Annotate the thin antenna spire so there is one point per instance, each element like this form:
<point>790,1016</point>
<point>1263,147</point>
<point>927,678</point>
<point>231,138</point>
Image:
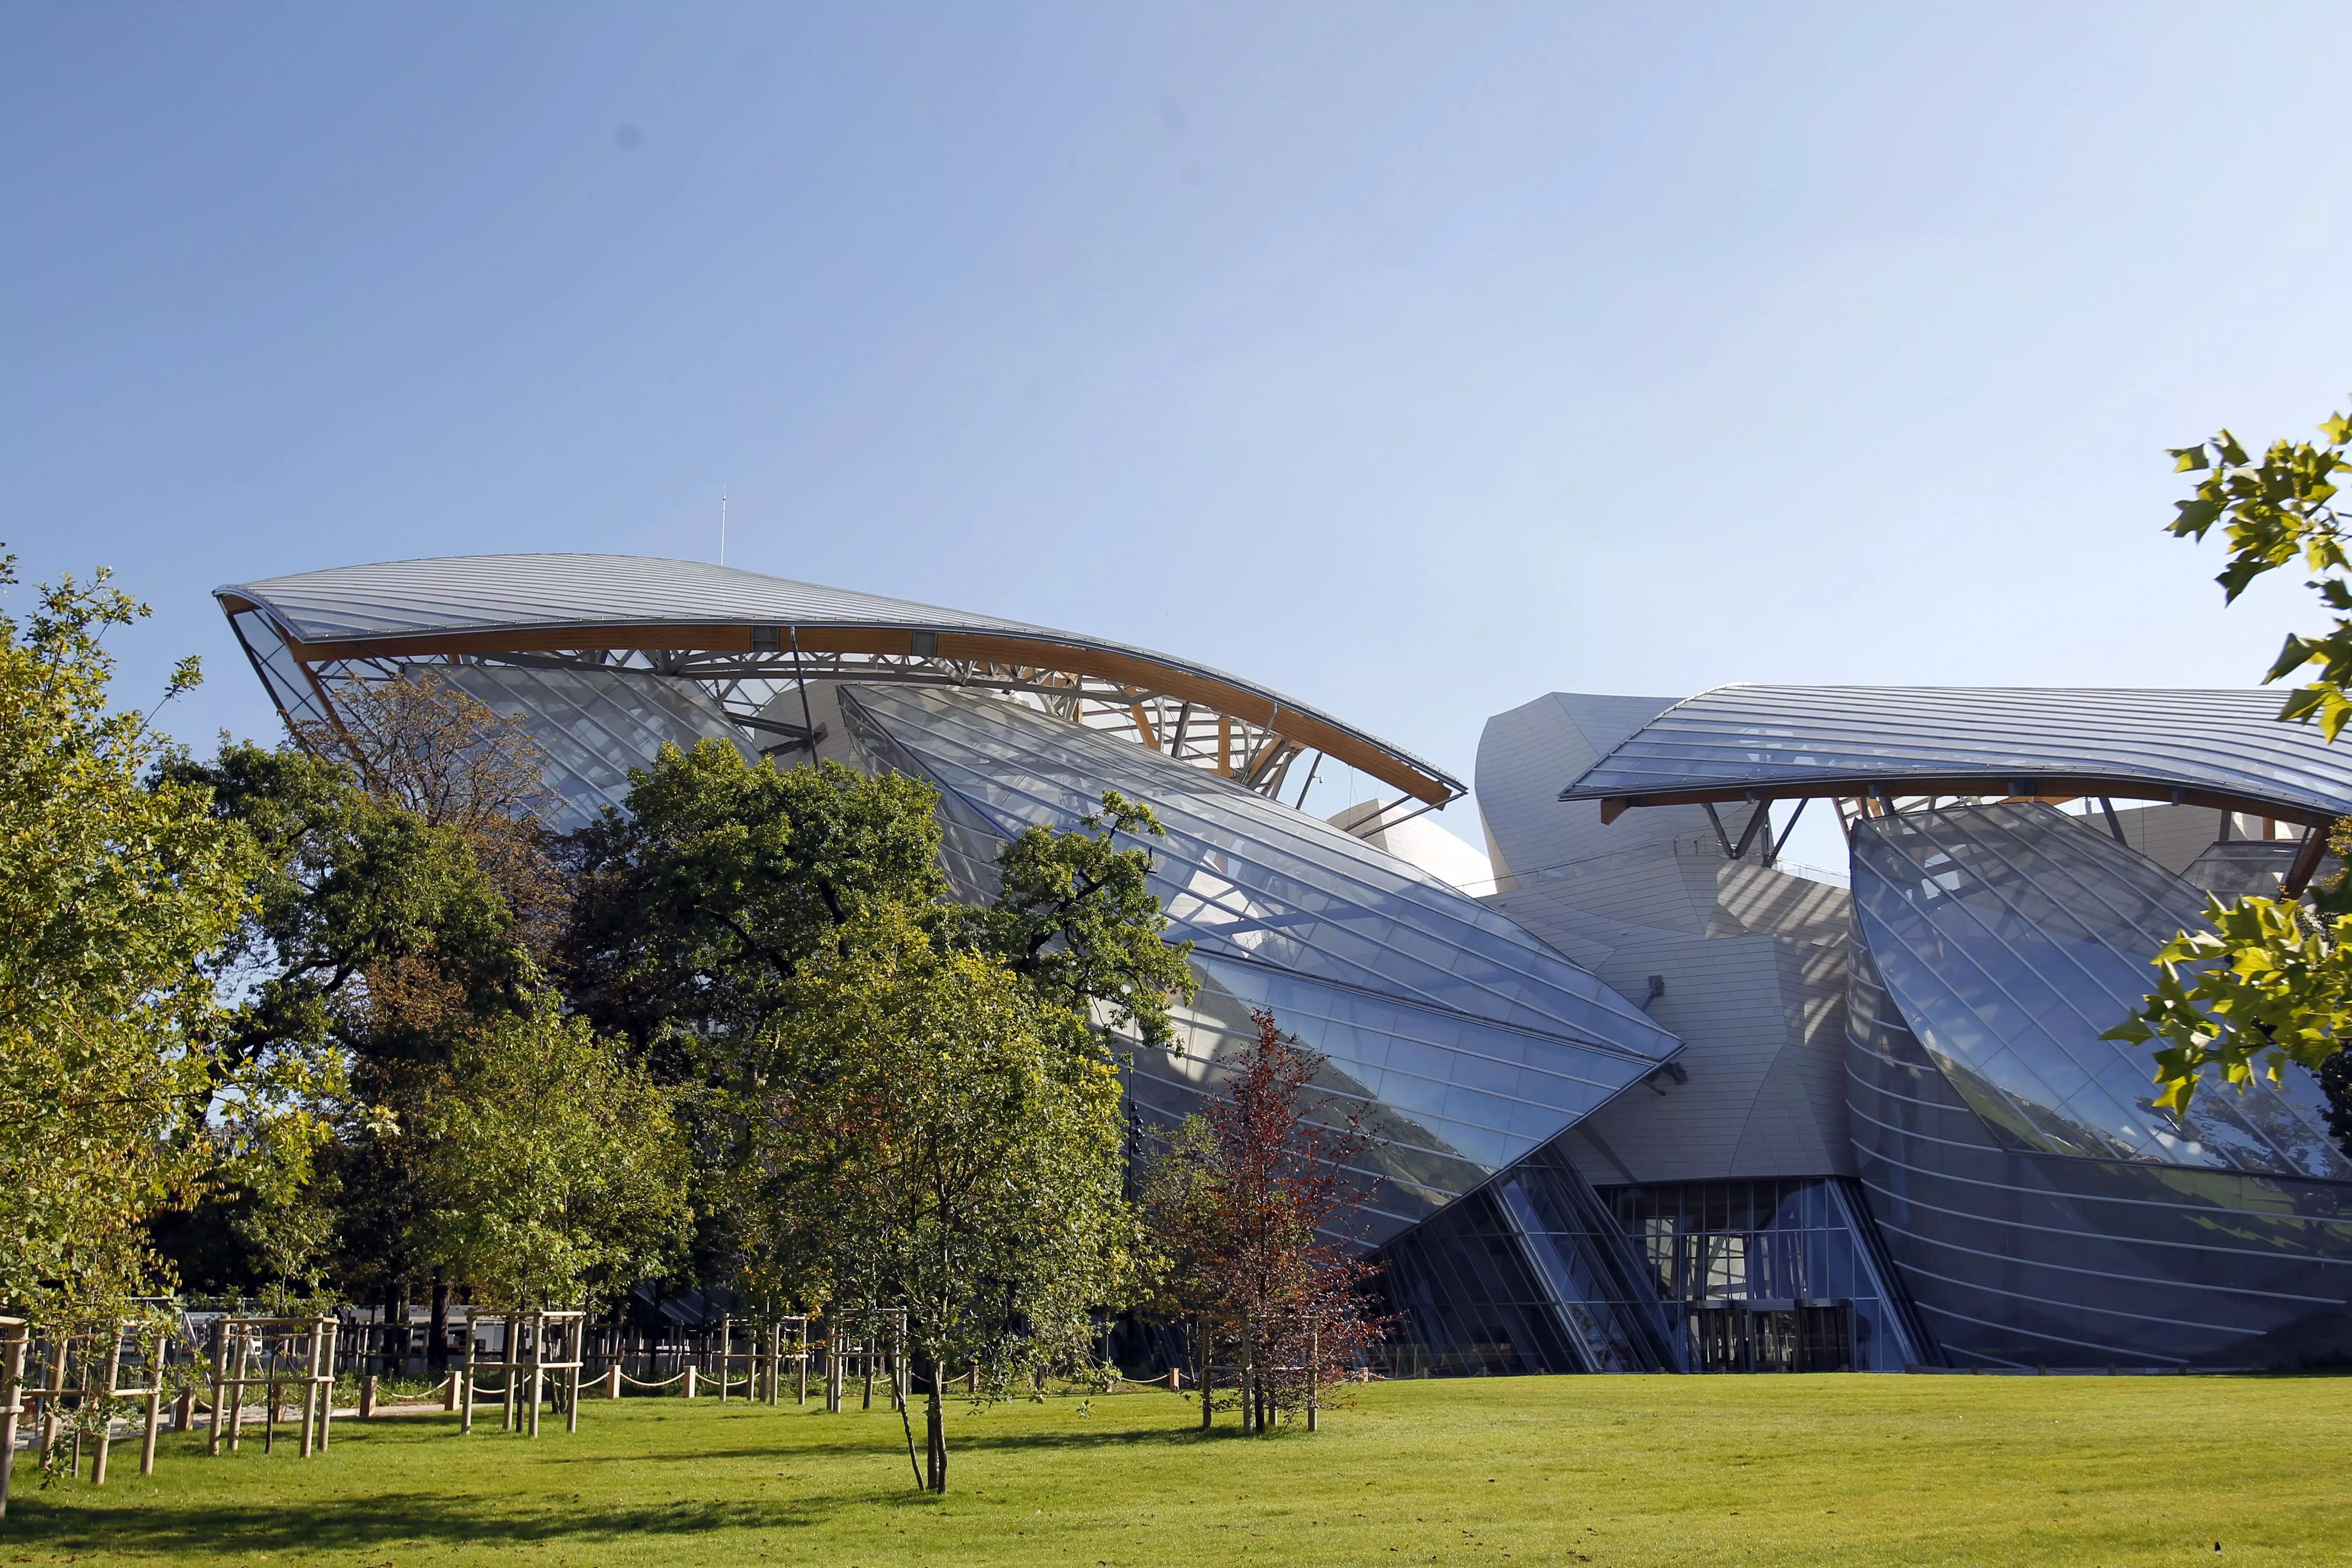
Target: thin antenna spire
<point>722,528</point>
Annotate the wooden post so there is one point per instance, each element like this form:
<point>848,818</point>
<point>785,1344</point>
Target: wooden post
<point>14,1335</point>
<point>833,1371</point>
<point>312,1343</point>
<point>240,1357</point>
<point>538,1367</point>
<point>1314,1372</point>
<point>866,1362</point>
<point>333,1331</point>
<point>579,1338</point>
<point>154,1404</point>
<point>801,1363</point>
<point>613,1381</point>
<point>689,1380</point>
<point>183,1409</point>
<point>367,1397</point>
<point>466,1380</point>
<point>105,1427</point>
<point>220,1377</point>
<point>509,1357</point>
<point>725,1345</point>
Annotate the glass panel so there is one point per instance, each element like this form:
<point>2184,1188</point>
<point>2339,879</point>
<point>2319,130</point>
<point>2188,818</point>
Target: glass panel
<point>1728,1251</point>
<point>2011,936</point>
<point>2017,1258</point>
<point>2227,741</point>
<point>1248,878</point>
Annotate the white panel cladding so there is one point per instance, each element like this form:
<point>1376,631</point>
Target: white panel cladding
<point>1755,899</point>
<point>1753,958</point>
<point>1763,1023</point>
<point>1527,756</point>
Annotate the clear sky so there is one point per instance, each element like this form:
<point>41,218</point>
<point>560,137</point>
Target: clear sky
<point>1416,360</point>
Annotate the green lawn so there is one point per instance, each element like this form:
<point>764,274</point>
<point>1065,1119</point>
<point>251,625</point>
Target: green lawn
<point>1618,1470</point>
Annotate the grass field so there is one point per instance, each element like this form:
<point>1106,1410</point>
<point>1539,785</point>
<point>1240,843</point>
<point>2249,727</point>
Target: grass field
<point>2089,1472</point>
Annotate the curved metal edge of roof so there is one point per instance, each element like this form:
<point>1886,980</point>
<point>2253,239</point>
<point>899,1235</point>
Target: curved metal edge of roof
<point>1926,767</point>
<point>256,592</point>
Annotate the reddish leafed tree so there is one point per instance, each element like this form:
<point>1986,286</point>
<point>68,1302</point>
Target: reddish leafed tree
<point>1243,1201</point>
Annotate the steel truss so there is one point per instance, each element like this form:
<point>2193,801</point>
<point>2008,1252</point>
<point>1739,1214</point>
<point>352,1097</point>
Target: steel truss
<point>751,689</point>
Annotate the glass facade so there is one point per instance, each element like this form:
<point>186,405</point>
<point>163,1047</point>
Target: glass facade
<point>1772,1275</point>
<point>2023,1259</point>
<point>2011,936</point>
<point>1463,1041</point>
<point>1531,1274</point>
<point>597,725</point>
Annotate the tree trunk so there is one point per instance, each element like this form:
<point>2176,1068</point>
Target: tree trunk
<point>1208,1392</point>
<point>437,1353</point>
<point>935,1427</point>
<point>394,1348</point>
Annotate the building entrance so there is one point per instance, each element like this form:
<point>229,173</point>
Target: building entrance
<point>1773,1336</point>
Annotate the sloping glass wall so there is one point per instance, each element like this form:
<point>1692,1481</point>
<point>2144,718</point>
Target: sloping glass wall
<point>2011,937</point>
<point>2019,1259</point>
<point>1460,1039</point>
<point>597,725</point>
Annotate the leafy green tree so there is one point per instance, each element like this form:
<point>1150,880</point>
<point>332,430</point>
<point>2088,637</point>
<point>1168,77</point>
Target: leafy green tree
<point>119,1093</point>
<point>974,1138</point>
<point>2275,512</point>
<point>553,1165</point>
<point>372,938</point>
<point>1075,917</point>
<point>2269,980</point>
<point>706,897</point>
<point>703,897</point>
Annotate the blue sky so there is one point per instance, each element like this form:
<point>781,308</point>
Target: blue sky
<point>1414,360</point>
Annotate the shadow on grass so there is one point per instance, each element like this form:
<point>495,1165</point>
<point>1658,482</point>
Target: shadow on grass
<point>383,1521</point>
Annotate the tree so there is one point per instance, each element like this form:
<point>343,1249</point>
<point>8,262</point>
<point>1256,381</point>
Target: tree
<point>2269,982</point>
<point>2276,513</point>
<point>1245,1197</point>
<point>552,1165</point>
<point>1075,917</point>
<point>704,895</point>
<point>119,1093</point>
<point>438,751</point>
<point>710,891</point>
<point>407,887</point>
<point>973,1137</point>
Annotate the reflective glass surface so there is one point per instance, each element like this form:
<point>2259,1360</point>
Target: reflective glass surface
<point>2011,936</point>
<point>2229,741</point>
<point>555,589</point>
<point>2021,1259</point>
<point>1438,1048</point>
<point>1784,1242</point>
<point>289,687</point>
<point>1530,1274</point>
<point>597,725</point>
<point>1252,881</point>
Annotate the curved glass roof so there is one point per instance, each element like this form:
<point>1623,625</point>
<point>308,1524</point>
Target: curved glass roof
<point>2011,936</point>
<point>535,605</point>
<point>2212,747</point>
